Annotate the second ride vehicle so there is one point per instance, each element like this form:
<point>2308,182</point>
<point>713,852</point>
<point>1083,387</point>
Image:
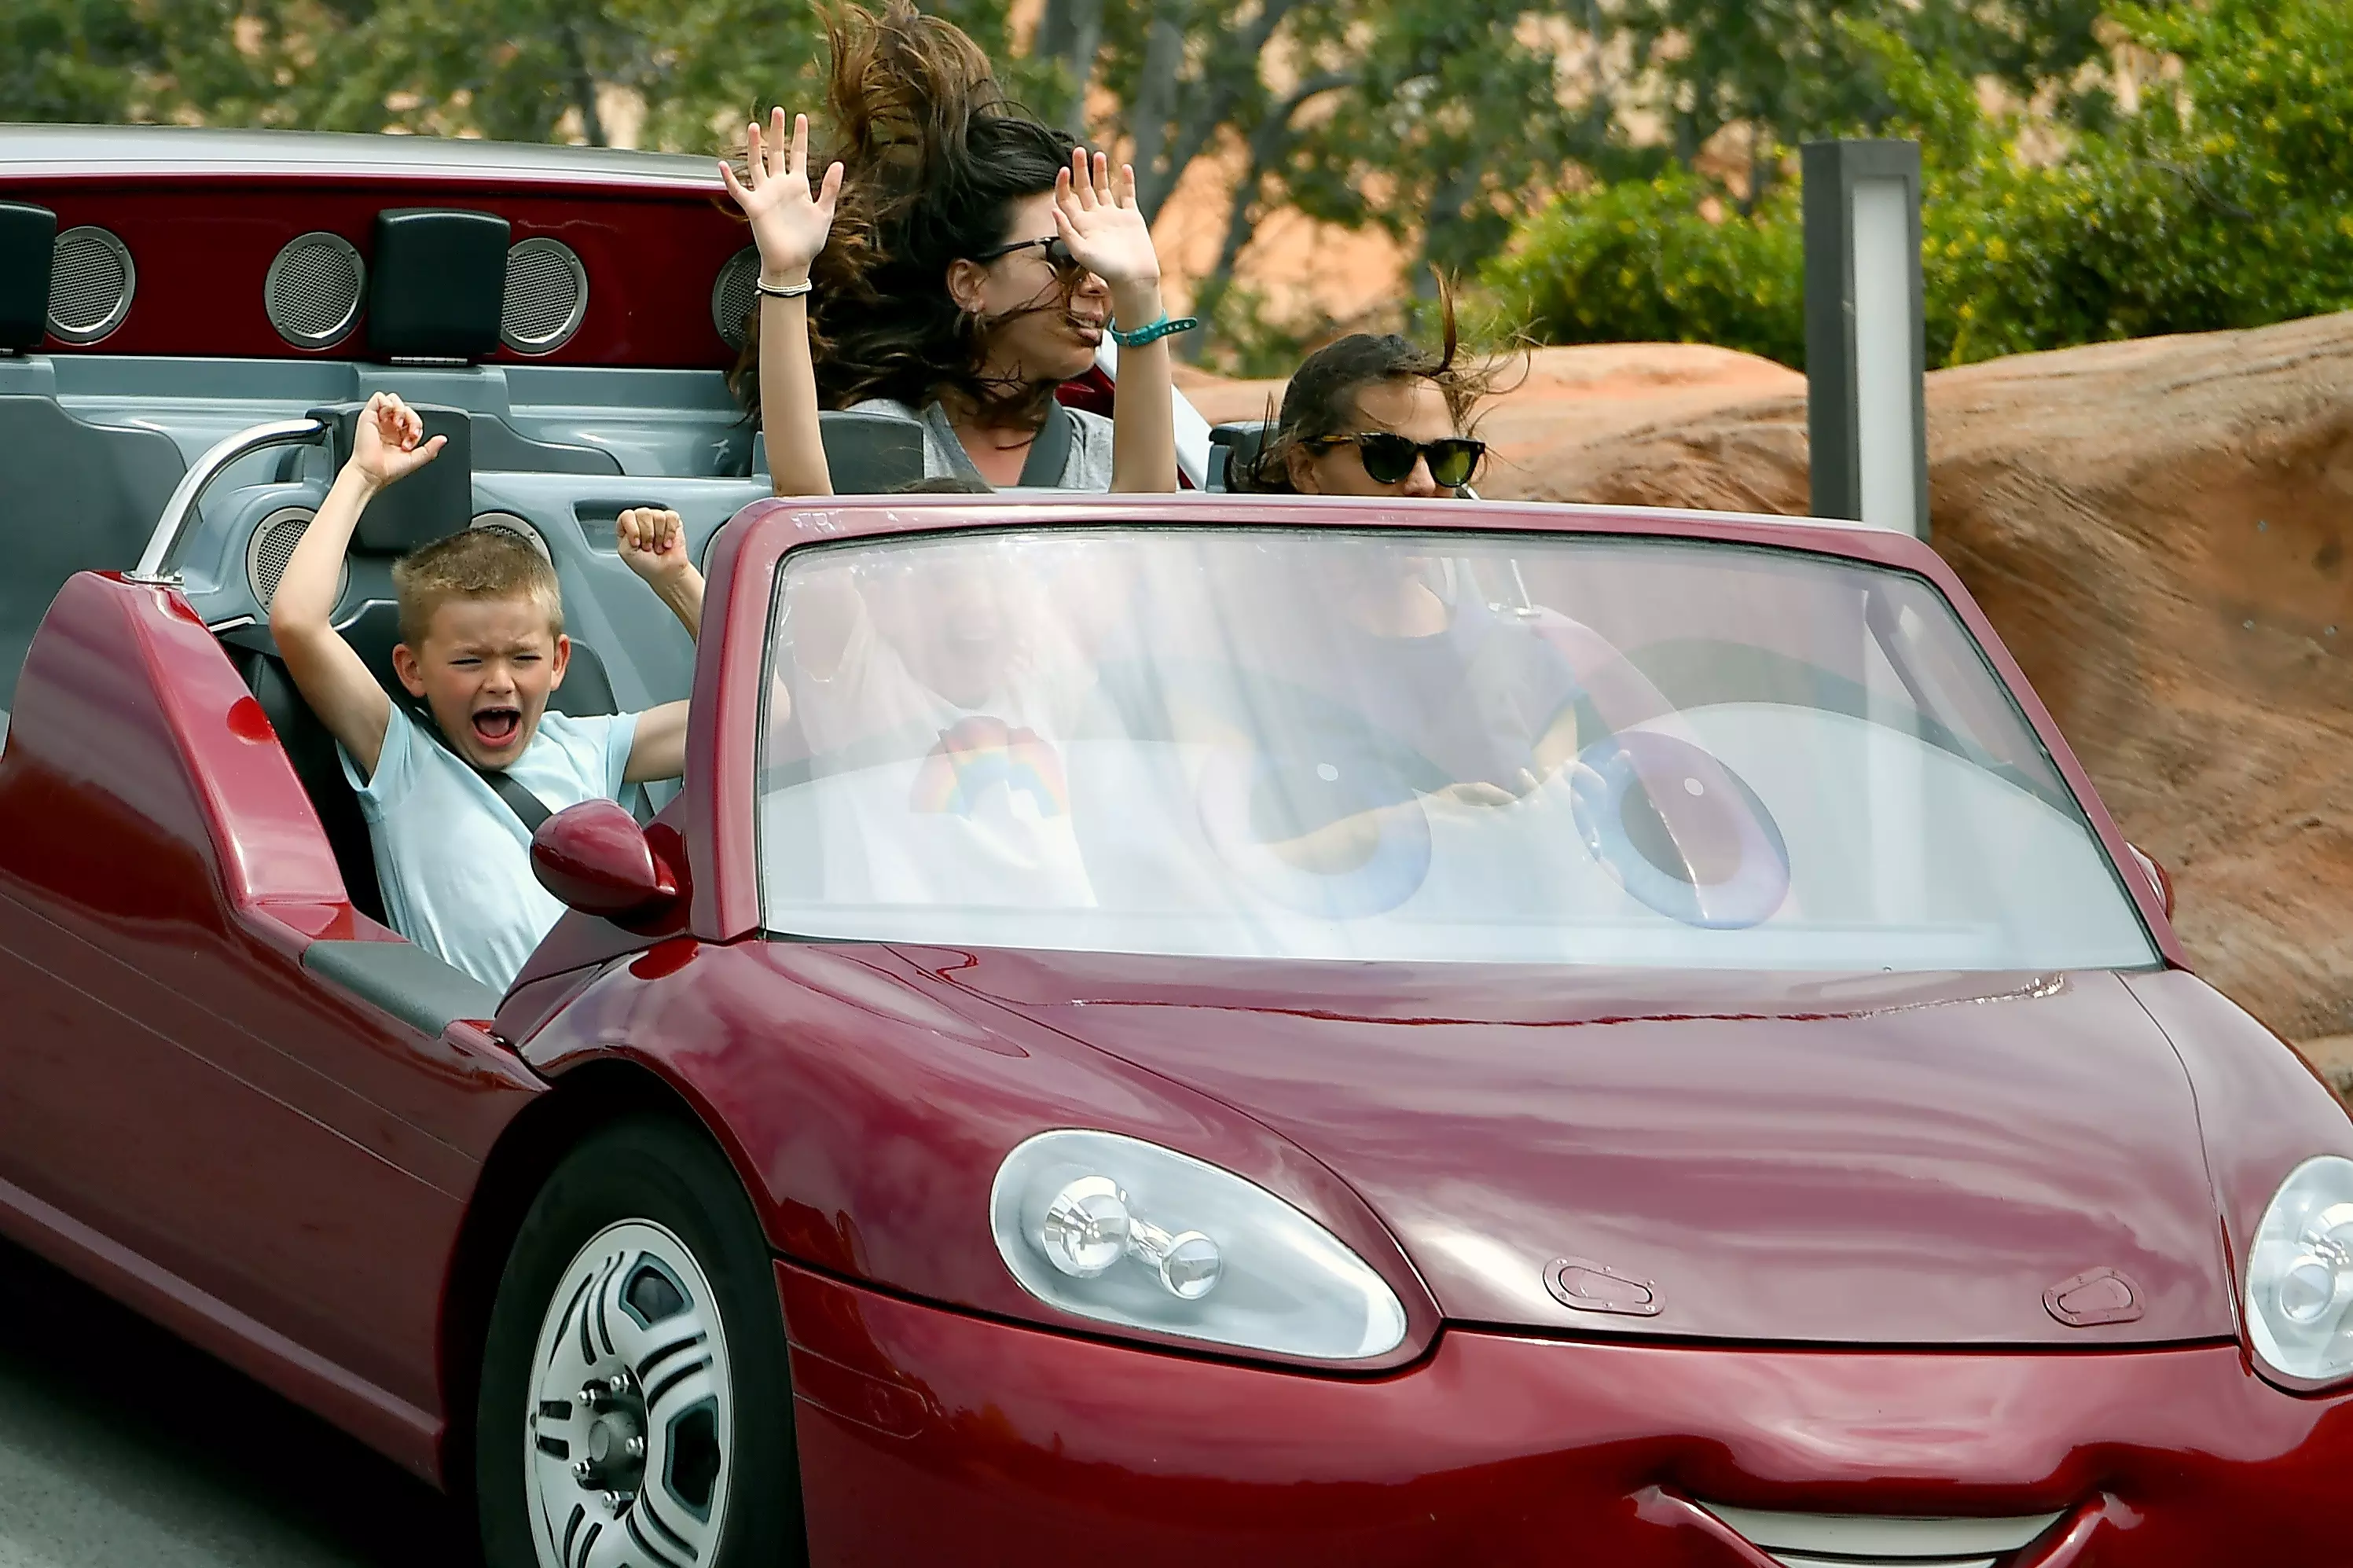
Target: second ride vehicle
<point>1299,1030</point>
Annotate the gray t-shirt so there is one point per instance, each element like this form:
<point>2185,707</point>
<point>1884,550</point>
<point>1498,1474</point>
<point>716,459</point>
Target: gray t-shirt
<point>1088,467</point>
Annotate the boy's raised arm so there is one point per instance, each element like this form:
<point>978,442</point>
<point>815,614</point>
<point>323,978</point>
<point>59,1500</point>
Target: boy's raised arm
<point>790,223</point>
<point>387,443</point>
<point>652,542</point>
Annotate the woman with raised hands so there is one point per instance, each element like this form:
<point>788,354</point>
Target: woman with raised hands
<point>958,262</point>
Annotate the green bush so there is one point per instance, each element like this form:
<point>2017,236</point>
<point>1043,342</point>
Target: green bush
<point>2227,204</point>
<point>1638,262</point>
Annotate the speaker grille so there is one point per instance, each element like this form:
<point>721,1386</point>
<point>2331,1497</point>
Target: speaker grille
<point>547,295</point>
<point>733,293</point>
<point>513,527</point>
<point>91,280</point>
<point>272,545</point>
<point>313,289</point>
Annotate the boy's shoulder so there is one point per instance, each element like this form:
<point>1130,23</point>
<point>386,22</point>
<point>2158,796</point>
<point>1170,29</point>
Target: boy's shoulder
<point>589,751</point>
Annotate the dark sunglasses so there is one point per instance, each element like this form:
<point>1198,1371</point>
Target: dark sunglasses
<point>1389,457</point>
<point>1057,254</point>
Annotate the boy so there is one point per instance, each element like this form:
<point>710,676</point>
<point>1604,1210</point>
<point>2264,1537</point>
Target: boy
<point>483,644</point>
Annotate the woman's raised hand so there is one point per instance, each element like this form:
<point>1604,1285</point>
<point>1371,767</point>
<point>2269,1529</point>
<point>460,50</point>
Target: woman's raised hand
<point>790,221</point>
<point>1101,223</point>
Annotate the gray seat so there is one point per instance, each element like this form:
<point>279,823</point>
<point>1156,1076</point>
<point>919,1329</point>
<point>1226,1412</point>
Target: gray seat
<point>869,452</point>
<point>84,498</point>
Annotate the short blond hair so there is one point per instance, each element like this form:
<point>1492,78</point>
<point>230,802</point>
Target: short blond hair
<point>480,562</point>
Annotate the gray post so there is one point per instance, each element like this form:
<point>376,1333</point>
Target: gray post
<point>1866,349</point>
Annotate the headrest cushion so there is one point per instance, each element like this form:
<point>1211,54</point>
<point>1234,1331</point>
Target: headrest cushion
<point>29,238</point>
<point>435,501</point>
<point>437,283</point>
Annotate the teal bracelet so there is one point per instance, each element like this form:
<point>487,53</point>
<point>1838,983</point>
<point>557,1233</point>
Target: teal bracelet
<point>1162,328</point>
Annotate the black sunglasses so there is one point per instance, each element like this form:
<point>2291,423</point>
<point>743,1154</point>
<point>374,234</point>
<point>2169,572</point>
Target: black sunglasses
<point>1058,253</point>
<point>1388,457</point>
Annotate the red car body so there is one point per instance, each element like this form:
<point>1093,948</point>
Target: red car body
<point>1875,1192</point>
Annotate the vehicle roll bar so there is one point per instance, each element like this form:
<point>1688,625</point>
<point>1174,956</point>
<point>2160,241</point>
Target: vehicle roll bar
<point>156,564</point>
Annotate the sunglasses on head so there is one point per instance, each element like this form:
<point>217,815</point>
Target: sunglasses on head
<point>1388,457</point>
<point>1058,253</point>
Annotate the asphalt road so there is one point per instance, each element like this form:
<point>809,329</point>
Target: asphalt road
<point>121,1448</point>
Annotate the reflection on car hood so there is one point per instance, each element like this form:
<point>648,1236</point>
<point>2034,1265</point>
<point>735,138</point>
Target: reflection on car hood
<point>1879,1159</point>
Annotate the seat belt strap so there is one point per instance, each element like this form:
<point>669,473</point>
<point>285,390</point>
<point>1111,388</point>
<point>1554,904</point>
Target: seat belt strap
<point>528,808</point>
<point>1050,453</point>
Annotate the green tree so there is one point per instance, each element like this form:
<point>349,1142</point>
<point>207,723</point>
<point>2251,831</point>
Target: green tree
<point>1452,124</point>
<point>108,60</point>
<point>2227,204</point>
<point>1792,69</point>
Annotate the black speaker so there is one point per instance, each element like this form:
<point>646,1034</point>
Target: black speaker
<point>29,238</point>
<point>433,503</point>
<point>437,283</point>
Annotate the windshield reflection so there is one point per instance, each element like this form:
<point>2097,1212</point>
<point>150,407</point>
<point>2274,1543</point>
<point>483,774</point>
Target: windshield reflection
<point>1258,742</point>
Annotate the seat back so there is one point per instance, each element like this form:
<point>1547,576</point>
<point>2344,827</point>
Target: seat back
<point>83,497</point>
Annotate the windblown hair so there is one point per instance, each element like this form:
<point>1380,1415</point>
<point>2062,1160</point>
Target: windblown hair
<point>478,564</point>
<point>1322,397</point>
<point>933,158</point>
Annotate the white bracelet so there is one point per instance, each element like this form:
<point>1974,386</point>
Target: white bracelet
<point>786,291</point>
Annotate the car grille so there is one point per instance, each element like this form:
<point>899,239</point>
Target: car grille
<point>1878,1541</point>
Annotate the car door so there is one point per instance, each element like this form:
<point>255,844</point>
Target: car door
<point>186,1110</point>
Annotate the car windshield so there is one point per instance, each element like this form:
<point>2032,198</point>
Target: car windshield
<point>1329,745</point>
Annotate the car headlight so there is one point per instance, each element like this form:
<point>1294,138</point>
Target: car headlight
<point>2300,1274</point>
<point>1129,1233</point>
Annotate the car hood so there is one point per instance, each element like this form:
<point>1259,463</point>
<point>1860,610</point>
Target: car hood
<point>1858,1159</point>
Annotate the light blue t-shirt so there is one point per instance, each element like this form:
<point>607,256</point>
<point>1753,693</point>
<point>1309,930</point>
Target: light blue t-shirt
<point>453,860</point>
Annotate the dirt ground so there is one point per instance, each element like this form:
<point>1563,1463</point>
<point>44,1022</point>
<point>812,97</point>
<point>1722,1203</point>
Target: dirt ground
<point>2158,531</point>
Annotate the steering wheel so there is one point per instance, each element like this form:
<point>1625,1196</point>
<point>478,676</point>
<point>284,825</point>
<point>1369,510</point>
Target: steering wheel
<point>1682,832</point>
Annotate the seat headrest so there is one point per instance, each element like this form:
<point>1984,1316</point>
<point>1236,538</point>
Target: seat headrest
<point>28,239</point>
<point>433,503</point>
<point>1235,446</point>
<point>437,283</point>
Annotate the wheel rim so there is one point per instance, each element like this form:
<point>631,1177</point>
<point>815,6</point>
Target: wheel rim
<point>628,1430</point>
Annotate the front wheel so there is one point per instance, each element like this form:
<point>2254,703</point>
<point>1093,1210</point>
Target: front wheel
<point>635,1401</point>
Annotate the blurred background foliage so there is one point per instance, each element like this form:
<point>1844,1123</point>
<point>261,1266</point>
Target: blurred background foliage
<point>1601,170</point>
<point>2141,171</point>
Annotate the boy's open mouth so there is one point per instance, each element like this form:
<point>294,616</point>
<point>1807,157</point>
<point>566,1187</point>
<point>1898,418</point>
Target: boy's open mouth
<point>497,727</point>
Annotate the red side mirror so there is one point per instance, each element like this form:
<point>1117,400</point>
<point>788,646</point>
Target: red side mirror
<point>596,858</point>
<point>2158,877</point>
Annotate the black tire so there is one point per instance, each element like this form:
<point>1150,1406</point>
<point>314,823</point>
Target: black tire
<point>667,1174</point>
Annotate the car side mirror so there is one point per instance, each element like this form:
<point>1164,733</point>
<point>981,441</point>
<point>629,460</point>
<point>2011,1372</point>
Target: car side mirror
<point>2158,877</point>
<point>596,859</point>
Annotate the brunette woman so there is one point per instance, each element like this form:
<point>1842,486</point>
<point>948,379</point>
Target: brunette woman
<point>975,260</point>
<point>1377,416</point>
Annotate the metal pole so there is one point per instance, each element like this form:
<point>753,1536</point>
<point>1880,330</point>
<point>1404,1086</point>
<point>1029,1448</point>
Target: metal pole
<point>1867,342</point>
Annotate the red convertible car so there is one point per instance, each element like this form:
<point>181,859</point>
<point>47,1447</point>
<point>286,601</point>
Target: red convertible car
<point>1203,1027</point>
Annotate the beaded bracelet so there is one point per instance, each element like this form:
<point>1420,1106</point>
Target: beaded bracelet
<point>1162,328</point>
<point>784,291</point>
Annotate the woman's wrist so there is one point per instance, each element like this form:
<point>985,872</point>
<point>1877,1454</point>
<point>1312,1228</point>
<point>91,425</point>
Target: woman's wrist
<point>784,277</point>
<point>1136,305</point>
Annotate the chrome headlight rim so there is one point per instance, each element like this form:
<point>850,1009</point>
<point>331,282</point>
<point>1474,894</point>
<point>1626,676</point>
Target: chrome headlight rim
<point>1414,1323</point>
<point>2263,1274</point>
